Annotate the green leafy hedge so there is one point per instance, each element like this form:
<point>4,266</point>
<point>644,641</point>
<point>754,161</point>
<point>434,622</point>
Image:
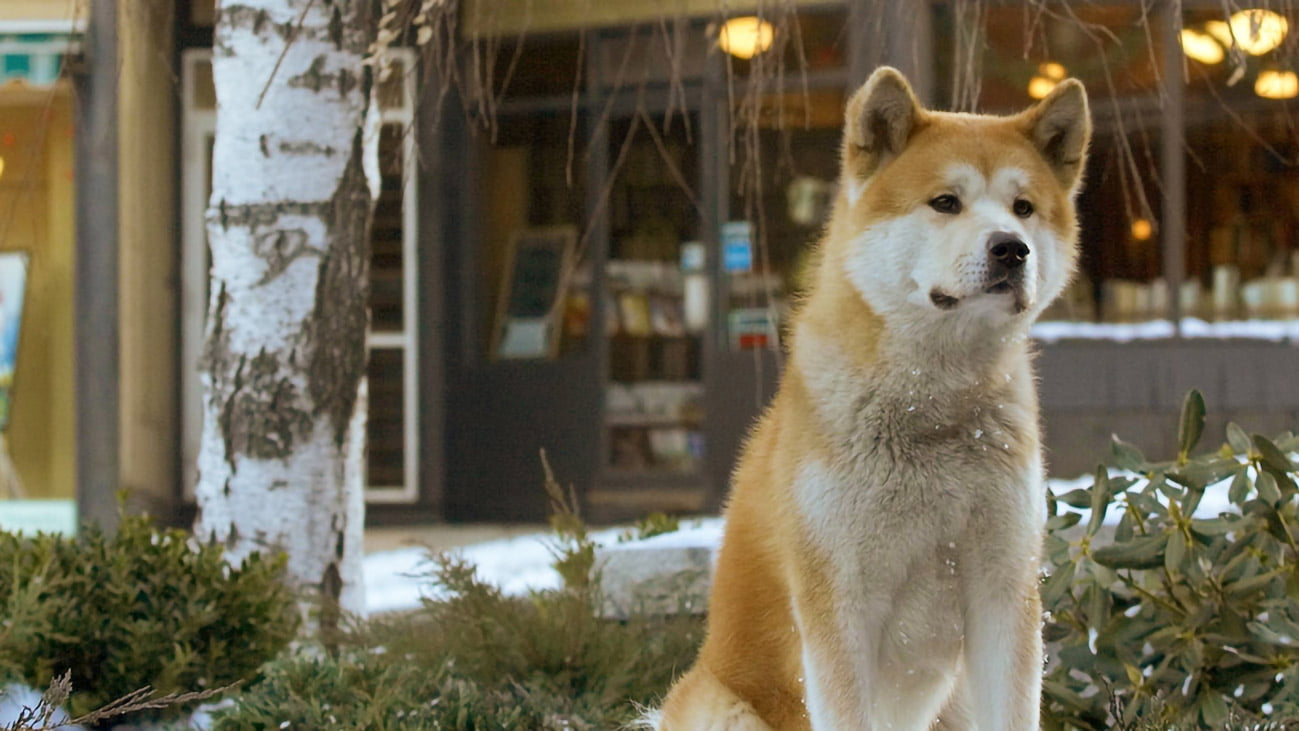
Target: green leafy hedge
<point>142,607</point>
<point>1175,619</point>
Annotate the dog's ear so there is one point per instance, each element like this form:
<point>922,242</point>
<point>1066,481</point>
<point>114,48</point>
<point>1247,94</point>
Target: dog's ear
<point>880,119</point>
<point>1060,126</point>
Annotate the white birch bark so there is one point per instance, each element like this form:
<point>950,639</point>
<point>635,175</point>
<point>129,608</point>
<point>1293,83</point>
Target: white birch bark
<point>294,180</point>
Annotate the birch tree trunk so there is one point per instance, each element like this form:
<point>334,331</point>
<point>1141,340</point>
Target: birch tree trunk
<point>294,179</point>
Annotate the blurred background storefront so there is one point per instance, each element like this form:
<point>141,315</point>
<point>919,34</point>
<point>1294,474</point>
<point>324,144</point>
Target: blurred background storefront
<point>698,203</point>
<point>590,243</point>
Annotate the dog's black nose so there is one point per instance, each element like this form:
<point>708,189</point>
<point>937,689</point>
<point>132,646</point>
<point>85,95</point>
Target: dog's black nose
<point>1007,249</point>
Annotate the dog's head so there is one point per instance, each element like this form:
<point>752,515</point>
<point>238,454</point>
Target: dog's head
<point>958,218</point>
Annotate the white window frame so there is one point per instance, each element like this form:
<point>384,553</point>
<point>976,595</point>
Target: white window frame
<point>198,128</point>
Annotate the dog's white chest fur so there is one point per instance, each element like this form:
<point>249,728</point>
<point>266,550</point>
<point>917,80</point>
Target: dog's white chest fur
<point>917,478</point>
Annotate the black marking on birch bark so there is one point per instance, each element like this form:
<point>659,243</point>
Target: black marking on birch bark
<point>279,249</point>
<point>233,16</point>
<point>335,331</point>
<point>232,537</point>
<point>267,215</point>
<point>313,78</point>
<point>346,82</point>
<point>336,28</point>
<point>307,147</point>
<point>225,489</point>
<point>261,142</point>
<point>263,415</point>
<point>331,589</point>
<point>224,369</point>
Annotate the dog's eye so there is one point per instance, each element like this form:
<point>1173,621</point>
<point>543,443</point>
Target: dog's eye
<point>1022,208</point>
<point>946,203</point>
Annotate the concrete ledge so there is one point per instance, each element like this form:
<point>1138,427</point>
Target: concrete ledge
<point>666,574</point>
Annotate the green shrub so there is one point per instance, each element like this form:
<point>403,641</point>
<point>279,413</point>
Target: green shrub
<point>142,607</point>
<point>481,660</point>
<point>1177,621</point>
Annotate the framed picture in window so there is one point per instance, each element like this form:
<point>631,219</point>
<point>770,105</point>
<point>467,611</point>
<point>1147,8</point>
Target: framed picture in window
<point>13,283</point>
<point>528,308</point>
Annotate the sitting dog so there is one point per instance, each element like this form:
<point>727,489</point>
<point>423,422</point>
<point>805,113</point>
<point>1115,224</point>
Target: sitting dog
<point>880,563</point>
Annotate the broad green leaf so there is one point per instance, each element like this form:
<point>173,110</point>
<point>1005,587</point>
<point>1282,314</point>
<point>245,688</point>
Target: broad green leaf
<point>1268,492</point>
<point>1175,553</point>
<point>1062,521</point>
<point>1096,601</point>
<point>1270,636</point>
<point>1144,552</point>
<point>1200,473</point>
<point>1126,456</point>
<point>1191,425</point>
<point>1191,501</point>
<point>1249,585</point>
<point>1124,530</point>
<point>1213,526</point>
<point>1272,457</point>
<point>1239,490</point>
<point>1134,674</point>
<point>1057,584</point>
<point>1077,498</point>
<point>1238,439</point>
<point>1100,500</point>
<point>1213,709</point>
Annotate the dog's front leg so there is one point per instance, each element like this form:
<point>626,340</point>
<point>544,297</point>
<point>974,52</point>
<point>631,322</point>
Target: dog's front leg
<point>1003,654</point>
<point>840,664</point>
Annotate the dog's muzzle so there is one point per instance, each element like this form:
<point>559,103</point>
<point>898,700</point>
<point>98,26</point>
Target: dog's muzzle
<point>1005,272</point>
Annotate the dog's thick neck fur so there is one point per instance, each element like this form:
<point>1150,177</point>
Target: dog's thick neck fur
<point>849,364</point>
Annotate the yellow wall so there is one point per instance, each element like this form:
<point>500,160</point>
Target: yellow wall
<point>36,215</point>
<point>147,246</point>
<point>42,9</point>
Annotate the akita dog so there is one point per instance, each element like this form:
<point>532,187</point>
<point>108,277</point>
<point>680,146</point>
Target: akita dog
<point>880,563</point>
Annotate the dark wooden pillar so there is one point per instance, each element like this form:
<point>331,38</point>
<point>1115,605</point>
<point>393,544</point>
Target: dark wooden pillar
<point>96,275</point>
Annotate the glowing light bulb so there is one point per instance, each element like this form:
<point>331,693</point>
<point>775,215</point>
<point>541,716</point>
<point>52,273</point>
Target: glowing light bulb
<point>1274,84</point>
<point>1040,86</point>
<point>1201,47</point>
<point>1256,31</point>
<point>746,36</point>
<point>1048,75</point>
<point>1051,70</point>
<point>1141,229</point>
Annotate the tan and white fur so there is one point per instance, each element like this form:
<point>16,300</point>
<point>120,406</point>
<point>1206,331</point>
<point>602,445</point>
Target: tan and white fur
<point>879,568</point>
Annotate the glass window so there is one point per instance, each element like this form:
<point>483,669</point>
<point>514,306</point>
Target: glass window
<point>656,298</point>
<point>782,184</point>
<point>1242,140</point>
<point>533,192</point>
<point>386,249</point>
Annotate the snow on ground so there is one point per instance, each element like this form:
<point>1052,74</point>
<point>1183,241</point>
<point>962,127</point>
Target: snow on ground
<point>1275,330</point>
<point>395,579</point>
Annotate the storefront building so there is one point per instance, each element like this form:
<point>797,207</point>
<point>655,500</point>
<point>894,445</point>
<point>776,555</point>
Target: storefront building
<point>588,245</point>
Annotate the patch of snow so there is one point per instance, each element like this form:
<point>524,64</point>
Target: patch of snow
<point>701,533</point>
<point>398,579</point>
<point>1049,332</point>
<point>16,697</point>
<point>1192,327</point>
